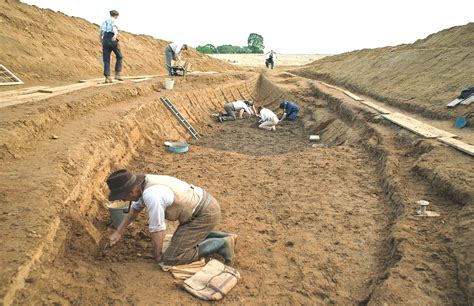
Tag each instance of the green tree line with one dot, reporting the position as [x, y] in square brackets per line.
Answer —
[254, 45]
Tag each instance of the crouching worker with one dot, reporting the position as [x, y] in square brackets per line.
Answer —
[166, 197]
[290, 110]
[173, 52]
[240, 106]
[268, 119]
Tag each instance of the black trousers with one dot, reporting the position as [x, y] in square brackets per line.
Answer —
[109, 46]
[269, 63]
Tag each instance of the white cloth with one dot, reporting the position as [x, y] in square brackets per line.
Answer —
[268, 115]
[156, 199]
[240, 104]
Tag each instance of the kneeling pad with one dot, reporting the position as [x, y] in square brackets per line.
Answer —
[213, 281]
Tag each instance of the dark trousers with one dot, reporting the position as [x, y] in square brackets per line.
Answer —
[109, 46]
[184, 245]
[269, 63]
[230, 112]
[292, 114]
[169, 56]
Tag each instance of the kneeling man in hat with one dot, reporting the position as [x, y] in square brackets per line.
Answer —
[166, 197]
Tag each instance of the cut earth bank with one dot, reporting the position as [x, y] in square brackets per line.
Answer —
[332, 223]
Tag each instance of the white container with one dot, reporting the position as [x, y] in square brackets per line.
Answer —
[314, 138]
[169, 83]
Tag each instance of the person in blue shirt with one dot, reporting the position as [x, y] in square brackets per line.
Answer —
[290, 110]
[110, 43]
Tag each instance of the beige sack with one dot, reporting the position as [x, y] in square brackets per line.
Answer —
[184, 271]
[213, 281]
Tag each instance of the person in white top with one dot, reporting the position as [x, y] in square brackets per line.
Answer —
[270, 61]
[268, 119]
[109, 34]
[240, 106]
[167, 197]
[173, 52]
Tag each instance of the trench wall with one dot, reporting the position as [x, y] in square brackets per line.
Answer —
[77, 175]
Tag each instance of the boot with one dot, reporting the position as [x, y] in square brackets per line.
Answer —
[118, 76]
[224, 247]
[210, 246]
[228, 251]
[217, 234]
[108, 80]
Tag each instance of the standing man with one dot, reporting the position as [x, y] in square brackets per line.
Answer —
[268, 119]
[240, 106]
[290, 110]
[270, 61]
[110, 43]
[173, 52]
[166, 197]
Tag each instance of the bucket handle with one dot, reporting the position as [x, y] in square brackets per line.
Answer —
[127, 210]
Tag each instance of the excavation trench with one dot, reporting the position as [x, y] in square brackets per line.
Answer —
[317, 222]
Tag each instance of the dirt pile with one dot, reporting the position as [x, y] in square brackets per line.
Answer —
[40, 45]
[421, 77]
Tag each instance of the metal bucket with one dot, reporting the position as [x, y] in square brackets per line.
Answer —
[117, 211]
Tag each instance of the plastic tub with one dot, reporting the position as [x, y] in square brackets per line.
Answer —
[460, 122]
[177, 146]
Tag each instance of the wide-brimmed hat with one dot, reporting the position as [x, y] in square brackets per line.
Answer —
[121, 183]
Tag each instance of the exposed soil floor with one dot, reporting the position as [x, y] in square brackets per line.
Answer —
[331, 223]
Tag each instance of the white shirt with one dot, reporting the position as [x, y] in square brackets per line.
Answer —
[156, 199]
[272, 54]
[268, 115]
[177, 48]
[110, 25]
[238, 105]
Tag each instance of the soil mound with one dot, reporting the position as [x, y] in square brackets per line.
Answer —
[40, 45]
[421, 77]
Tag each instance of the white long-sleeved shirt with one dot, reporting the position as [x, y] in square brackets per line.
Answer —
[272, 54]
[177, 49]
[156, 199]
[240, 104]
[268, 115]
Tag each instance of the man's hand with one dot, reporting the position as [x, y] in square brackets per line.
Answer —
[115, 237]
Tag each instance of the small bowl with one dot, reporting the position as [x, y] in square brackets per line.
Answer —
[177, 146]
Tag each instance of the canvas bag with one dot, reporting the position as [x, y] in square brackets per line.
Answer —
[213, 281]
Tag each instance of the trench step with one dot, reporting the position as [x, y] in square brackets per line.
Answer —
[180, 117]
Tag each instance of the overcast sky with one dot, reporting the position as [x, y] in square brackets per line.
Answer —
[296, 26]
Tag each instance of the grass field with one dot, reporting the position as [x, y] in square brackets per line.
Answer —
[255, 60]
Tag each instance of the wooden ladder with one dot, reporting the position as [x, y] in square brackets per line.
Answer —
[180, 118]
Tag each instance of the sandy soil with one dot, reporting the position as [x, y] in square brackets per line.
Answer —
[258, 60]
[332, 223]
[421, 78]
[45, 47]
